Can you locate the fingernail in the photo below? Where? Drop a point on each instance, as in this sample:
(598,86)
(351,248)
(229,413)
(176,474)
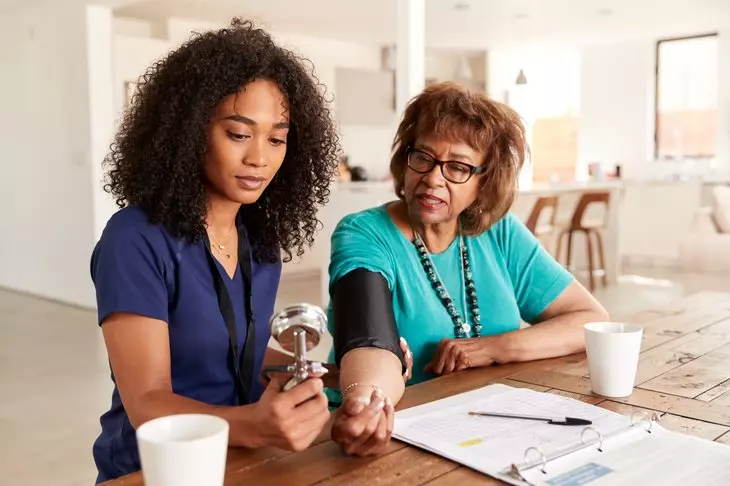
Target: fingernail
(403,340)
(361,403)
(409,355)
(379,404)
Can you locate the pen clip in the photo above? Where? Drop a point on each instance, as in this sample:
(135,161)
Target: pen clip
(570,421)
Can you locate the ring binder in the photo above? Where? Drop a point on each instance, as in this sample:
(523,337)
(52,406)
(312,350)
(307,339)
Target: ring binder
(516,469)
(600,437)
(539,451)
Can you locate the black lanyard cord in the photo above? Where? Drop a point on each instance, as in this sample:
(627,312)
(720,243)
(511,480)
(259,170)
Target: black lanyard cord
(243,365)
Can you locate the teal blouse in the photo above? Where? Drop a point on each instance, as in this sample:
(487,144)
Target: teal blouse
(515,278)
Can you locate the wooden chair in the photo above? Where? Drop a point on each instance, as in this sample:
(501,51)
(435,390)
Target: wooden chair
(591,228)
(534,224)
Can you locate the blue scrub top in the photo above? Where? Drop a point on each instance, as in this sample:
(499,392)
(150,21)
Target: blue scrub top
(140,268)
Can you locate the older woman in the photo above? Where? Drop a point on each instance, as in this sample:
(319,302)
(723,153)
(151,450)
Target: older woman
(446,266)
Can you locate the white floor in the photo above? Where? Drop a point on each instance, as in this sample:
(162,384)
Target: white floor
(54,377)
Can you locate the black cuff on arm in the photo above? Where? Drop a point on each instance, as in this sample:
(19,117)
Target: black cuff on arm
(363,312)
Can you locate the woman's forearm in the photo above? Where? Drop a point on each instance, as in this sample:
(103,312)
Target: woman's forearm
(558,336)
(372,367)
(160,403)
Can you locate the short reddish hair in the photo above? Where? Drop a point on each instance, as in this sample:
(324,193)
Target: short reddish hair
(447,110)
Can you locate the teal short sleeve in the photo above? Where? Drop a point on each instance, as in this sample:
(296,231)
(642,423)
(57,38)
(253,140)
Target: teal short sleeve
(359,242)
(537,278)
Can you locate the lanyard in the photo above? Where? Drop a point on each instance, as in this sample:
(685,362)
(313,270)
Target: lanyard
(243,365)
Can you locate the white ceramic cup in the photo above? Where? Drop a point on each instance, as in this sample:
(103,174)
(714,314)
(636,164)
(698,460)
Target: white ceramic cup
(613,356)
(183,450)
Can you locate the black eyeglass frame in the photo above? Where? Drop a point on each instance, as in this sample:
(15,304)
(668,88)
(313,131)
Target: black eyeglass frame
(441,163)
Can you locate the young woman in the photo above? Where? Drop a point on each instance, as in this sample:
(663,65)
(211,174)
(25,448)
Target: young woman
(219,167)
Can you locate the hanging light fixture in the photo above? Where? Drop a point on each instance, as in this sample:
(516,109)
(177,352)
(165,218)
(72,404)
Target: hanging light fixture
(521,79)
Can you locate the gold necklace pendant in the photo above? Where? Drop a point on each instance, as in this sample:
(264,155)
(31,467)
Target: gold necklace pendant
(218,247)
(219,250)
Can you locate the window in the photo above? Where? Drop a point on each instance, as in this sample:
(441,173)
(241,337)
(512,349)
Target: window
(686,98)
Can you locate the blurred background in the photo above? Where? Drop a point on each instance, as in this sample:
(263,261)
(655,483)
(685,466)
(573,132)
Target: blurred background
(627,99)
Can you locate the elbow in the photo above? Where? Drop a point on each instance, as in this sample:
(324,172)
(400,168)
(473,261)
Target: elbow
(600,314)
(139,408)
(597,314)
(135,409)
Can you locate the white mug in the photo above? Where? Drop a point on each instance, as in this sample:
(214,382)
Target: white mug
(613,355)
(183,450)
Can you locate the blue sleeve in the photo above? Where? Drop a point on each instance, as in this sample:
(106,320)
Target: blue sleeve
(129,275)
(537,278)
(358,242)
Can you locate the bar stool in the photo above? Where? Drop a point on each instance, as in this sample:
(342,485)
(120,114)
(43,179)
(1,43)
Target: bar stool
(537,226)
(591,228)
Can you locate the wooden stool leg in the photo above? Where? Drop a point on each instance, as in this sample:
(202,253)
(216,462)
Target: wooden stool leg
(570,249)
(589,248)
(601,257)
(559,245)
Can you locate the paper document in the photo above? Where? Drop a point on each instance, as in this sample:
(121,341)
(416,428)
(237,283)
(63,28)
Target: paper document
(662,457)
(611,451)
(492,444)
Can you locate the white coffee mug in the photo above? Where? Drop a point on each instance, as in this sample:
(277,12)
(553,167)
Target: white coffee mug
(183,450)
(613,355)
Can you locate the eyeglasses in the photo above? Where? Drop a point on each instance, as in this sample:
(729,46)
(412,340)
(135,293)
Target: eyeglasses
(453,171)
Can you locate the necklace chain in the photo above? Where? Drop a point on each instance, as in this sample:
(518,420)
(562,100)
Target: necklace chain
(220,248)
(461,326)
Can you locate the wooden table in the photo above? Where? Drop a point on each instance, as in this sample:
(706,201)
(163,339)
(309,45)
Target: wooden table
(684,374)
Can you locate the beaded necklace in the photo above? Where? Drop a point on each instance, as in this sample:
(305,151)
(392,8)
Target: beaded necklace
(461,326)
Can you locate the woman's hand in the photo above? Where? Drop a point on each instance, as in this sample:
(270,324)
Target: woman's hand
(364,422)
(459,354)
(292,419)
(362,428)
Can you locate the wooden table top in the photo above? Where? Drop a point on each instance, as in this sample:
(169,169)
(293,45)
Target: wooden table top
(683,374)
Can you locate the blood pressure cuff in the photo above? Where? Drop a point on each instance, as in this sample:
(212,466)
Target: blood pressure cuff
(363,313)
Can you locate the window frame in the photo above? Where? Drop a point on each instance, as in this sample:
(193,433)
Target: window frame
(657,48)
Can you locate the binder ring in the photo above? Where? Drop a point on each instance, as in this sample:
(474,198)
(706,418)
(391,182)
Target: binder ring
(600,437)
(655,418)
(542,456)
(634,420)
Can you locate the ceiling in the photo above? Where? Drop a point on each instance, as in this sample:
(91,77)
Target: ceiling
(474,24)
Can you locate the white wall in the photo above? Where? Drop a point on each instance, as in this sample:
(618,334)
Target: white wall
(132,57)
(552,90)
(553,78)
(723,101)
(369,147)
(100,69)
(617,105)
(133,27)
(47,196)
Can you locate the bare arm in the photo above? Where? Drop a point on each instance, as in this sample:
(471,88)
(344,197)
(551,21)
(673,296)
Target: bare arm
(372,366)
(139,353)
(558,333)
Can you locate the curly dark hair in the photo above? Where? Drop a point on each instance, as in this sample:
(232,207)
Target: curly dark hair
(156,159)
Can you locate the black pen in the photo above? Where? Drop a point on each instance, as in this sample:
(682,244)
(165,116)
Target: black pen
(550,420)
